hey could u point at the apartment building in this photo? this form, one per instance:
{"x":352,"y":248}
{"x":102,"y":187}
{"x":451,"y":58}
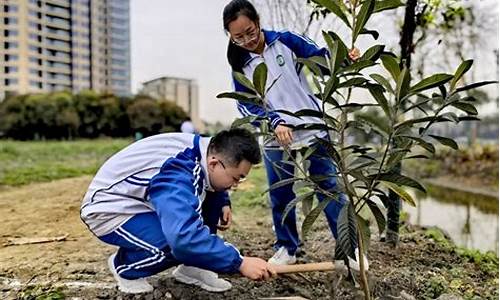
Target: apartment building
{"x":184,"y":92}
{"x":51,"y":45}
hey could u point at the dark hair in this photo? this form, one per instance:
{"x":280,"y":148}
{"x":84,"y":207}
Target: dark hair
{"x":234,"y":9}
{"x":236,"y":145}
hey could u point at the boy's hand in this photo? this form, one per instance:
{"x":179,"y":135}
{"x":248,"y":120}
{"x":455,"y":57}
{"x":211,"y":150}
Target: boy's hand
{"x":226,"y":219}
{"x":256,"y":268}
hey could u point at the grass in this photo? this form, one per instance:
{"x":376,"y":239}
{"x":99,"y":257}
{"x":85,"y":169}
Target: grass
{"x":251,"y":192}
{"x":27,"y":162}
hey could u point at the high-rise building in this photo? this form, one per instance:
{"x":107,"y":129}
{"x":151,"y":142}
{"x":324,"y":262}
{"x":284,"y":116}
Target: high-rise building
{"x":50,"y":45}
{"x":182,"y":91}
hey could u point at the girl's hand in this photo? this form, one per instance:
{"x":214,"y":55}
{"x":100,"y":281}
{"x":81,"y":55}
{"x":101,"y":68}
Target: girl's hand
{"x":284,"y":135}
{"x":354,"y":54}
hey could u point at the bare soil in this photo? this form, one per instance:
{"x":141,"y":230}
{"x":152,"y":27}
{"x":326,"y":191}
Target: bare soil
{"x":75,"y":268}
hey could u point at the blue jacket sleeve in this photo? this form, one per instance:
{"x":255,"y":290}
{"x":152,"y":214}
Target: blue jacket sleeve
{"x":304,"y":47}
{"x":173,"y":194}
{"x":250,"y":109}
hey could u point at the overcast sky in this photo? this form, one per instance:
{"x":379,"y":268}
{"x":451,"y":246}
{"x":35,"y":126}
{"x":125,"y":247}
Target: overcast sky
{"x":186,"y":39}
{"x":183,"y":39}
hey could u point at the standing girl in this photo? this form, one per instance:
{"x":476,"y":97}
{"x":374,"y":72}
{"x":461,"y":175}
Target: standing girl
{"x":249,"y":46}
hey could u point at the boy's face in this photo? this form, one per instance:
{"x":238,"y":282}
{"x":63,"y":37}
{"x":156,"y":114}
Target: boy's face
{"x":224,"y":176}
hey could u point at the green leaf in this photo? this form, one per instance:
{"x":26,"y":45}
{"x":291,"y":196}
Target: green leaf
{"x":311,"y":65}
{"x":240,"y":96}
{"x":468,"y":118}
{"x":399,"y":179}
{"x":260,"y":78}
{"x":403,"y":84}
{"x":307,"y":204}
{"x":330,"y":149}
{"x":362,"y":17}
{"x":282,"y":183}
{"x":383,"y":82}
{"x":291,"y":205}
{"x":334,"y":8}
{"x":337,"y":38}
{"x":319,"y":60}
{"x":416,"y":121}
{"x":377,"y":213}
{"x":461,"y":70}
{"x":356,"y":81}
{"x":373,"y":53}
{"x":377,"y":92}
{"x":241,"y":78}
{"x":445,"y":141}
{"x":245,"y":120}
{"x":474,"y":85}
{"x":309,"y":113}
{"x":358,"y":66}
{"x":430,"y":82}
{"x":382,"y":5}
{"x":312,"y":216}
{"x":330,"y":87}
{"x":466,"y":107}
{"x":379,"y":125}
{"x":422,"y":143}
{"x":400,"y":192}
{"x":391,"y":64}
{"x":373,"y":33}
{"x":346,"y":227}
{"x":364,"y":229}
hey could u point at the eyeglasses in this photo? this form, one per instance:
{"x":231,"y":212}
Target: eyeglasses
{"x":237,"y":180}
{"x":248,"y":37}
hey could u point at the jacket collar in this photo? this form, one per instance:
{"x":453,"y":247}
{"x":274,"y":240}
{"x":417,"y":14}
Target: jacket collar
{"x":270,"y":37}
{"x":204,"y":141}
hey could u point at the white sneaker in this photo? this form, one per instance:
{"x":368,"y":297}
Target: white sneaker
{"x":354,"y":263}
{"x":135,"y":286}
{"x":205,"y":279}
{"x":281,"y":257}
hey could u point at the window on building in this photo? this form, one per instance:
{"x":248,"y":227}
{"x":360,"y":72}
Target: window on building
{"x":119,"y":62}
{"x":37,"y":84}
{"x":10,"y":32}
{"x":10,"y":20}
{"x":11,"y":57}
{"x":10,"y":8}
{"x":10,"y":45}
{"x":10,"y":69}
{"x":10,"y":81}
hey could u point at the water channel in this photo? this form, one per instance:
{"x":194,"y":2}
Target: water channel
{"x":470,"y":220}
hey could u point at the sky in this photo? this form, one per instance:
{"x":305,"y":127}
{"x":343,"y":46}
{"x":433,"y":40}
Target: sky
{"x":183,"y":39}
{"x":186,"y":39}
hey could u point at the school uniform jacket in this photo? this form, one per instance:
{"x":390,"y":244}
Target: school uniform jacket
{"x":167,"y":174}
{"x":291,"y":92}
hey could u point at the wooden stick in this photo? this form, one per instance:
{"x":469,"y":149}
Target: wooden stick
{"x":301,"y":268}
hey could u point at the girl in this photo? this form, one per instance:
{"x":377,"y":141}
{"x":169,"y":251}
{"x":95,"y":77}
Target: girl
{"x":249,"y":46}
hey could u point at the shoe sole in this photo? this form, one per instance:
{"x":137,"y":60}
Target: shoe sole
{"x":189,"y":280}
{"x":117,"y":278}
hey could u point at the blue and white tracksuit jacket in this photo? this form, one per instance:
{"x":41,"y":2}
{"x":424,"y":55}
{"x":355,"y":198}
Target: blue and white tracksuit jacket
{"x":164,"y":176}
{"x":291,"y":92}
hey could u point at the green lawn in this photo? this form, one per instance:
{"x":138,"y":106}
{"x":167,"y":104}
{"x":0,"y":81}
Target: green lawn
{"x":26,"y":162}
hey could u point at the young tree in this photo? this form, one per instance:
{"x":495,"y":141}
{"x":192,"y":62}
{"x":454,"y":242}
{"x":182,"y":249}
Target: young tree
{"x":367,"y":172}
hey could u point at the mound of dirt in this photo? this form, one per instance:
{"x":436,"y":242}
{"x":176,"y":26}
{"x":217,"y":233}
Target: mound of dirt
{"x":420,"y":268}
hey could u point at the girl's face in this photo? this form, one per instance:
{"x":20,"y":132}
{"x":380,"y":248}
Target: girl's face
{"x":245,"y":33}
